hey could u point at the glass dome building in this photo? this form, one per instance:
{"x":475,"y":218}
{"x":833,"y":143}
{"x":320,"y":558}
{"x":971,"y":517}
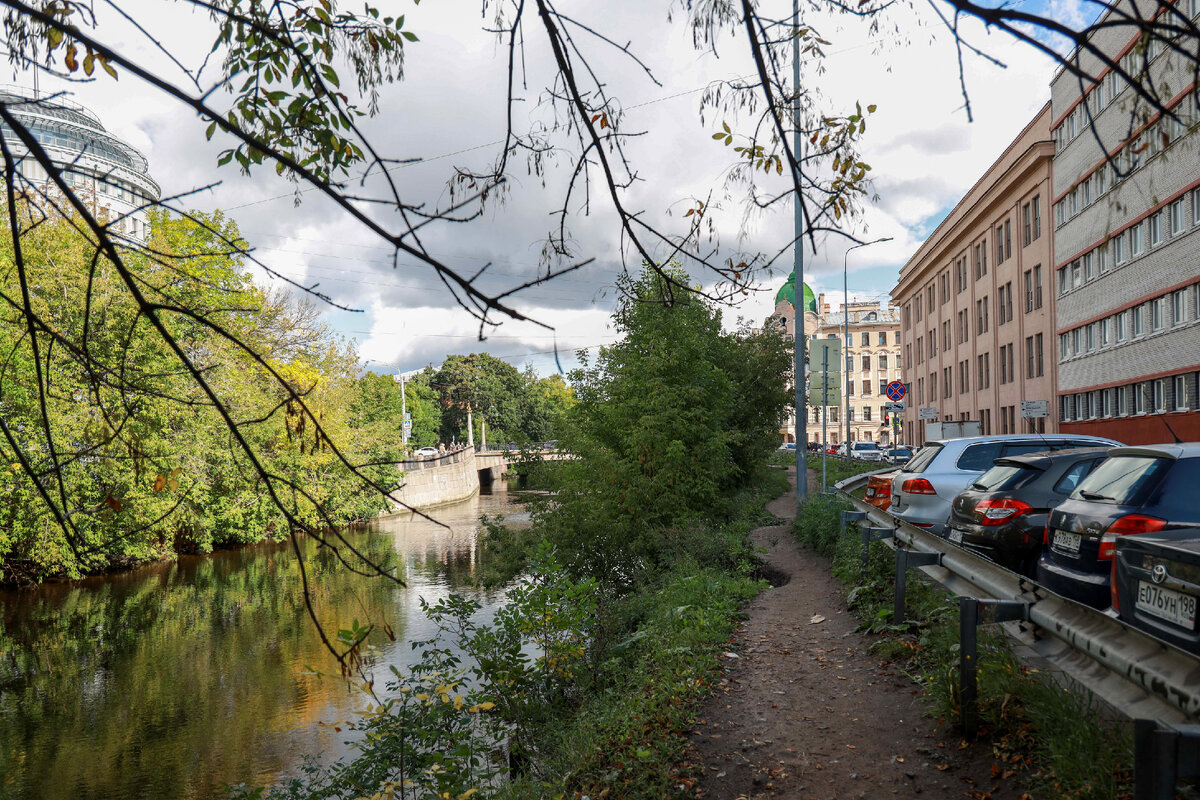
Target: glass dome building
{"x":111,"y":176}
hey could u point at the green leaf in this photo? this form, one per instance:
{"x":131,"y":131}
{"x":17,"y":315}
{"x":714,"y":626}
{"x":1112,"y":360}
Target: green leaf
{"x":412,"y":37}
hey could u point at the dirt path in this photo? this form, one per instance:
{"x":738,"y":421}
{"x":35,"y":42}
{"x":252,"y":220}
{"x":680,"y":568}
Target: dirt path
{"x":805,"y":711}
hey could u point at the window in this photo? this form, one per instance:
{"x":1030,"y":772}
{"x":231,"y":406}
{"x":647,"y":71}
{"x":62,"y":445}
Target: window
{"x":964,"y":326}
{"x":866,"y":388}
{"x":1102,"y":258}
{"x":866,"y":413}
{"x":961,"y":269}
{"x":1064,"y":279}
{"x":1118,"y":248}
{"x":964,"y":377}
{"x":1138,"y":317}
{"x":1102,"y":326}
{"x":981,"y":316}
{"x":1089,"y":267}
{"x":850,"y":415}
{"x":920,"y":349}
{"x":896,"y":338}
{"x":946,"y":335}
{"x":1007,"y":238}
{"x":850,"y":388}
{"x":983,"y":378}
{"x":1121,"y":323}
{"x":931,"y":299}
{"x":883,"y":339}
{"x":920,"y":390}
{"x":883,"y":363}
{"x":1179,"y":307}
{"x":1004,"y":303}
{"x":1012,"y":364}
{"x":1037,"y":286}
{"x":850,"y":363}
{"x":1027,"y":216}
{"x":866,"y":363}
{"x":1137,"y":243}
{"x":1064,"y":346}
{"x":1176,"y":217}
{"x":1090,"y":337}
{"x":1030,"y":361}
{"x":1106,"y":406}
{"x":1156,"y":229}
{"x":1196,"y":206}
{"x":1181,"y":393}
{"x":1121,"y":397}
{"x":1076,"y":274}
{"x":933,"y":386}
{"x":947,"y":381}
{"x":1077,"y":341}
{"x":931,"y":338}
{"x":1158,"y":313}
{"x":1139,"y":398}
{"x":1158,"y":395}
{"x":1036,"y":204}
{"x":883,"y":385}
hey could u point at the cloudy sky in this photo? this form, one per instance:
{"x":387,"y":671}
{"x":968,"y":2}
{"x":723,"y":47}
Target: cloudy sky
{"x":449,"y":111}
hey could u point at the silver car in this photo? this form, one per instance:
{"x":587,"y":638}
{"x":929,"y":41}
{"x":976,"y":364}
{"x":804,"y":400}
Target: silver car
{"x":923,"y":491}
{"x":866,"y":451}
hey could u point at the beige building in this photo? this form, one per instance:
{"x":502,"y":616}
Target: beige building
{"x":873,"y":358}
{"x":977,"y":305}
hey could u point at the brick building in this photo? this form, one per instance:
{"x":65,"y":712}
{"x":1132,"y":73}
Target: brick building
{"x":1127,"y":248}
{"x":977,"y":311}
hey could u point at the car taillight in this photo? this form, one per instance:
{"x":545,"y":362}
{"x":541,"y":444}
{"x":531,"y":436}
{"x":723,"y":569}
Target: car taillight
{"x":1046,"y":536}
{"x":1127,"y":525}
{"x":1112,"y":585}
{"x":998,"y":512}
{"x":917,"y":486}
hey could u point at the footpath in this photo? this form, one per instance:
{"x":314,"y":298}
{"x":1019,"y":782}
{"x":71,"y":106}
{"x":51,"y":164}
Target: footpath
{"x":806,"y":711}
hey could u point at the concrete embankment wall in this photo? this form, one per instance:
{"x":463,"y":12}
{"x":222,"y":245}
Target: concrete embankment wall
{"x":439,"y":482}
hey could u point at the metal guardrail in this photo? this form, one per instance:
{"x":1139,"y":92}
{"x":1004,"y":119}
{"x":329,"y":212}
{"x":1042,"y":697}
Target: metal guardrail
{"x":1136,"y":674}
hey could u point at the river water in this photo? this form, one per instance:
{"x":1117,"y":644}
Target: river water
{"x":175,"y":679}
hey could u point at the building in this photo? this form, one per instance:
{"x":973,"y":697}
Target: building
{"x":872,"y":350}
{"x":1127,"y":245}
{"x":107,"y":174}
{"x":873,"y":358}
{"x":976,"y":310}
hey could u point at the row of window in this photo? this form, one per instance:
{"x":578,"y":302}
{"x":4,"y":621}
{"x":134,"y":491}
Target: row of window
{"x":881,"y":362}
{"x":1129,"y":157}
{"x":1167,"y":222}
{"x":1034,"y":367}
{"x":866,"y":387}
{"x":832,"y":414}
{"x":1134,"y":63}
{"x":1153,"y":316}
{"x":1158,"y":396}
{"x":76,"y":179}
{"x":864,"y":338}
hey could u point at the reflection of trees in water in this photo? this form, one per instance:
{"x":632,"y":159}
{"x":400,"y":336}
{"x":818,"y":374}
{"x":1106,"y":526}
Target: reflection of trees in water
{"x":170,"y":680}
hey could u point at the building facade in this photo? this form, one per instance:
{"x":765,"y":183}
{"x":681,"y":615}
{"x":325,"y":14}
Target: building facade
{"x":111,"y":177}
{"x":870,"y":336}
{"x":1127,"y":246}
{"x":783,"y":320}
{"x":976,"y":307}
{"x":873,"y":360}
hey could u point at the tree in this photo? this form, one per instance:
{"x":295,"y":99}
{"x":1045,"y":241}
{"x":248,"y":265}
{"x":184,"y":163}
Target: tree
{"x":668,"y":424}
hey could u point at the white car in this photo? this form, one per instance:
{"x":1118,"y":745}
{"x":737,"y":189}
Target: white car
{"x":426,"y":452}
{"x":866,"y":451}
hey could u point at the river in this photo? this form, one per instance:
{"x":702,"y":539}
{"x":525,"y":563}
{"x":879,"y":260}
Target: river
{"x":174,"y":679}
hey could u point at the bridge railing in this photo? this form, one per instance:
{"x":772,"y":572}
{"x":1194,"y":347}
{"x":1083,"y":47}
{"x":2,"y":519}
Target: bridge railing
{"x":430,"y":462}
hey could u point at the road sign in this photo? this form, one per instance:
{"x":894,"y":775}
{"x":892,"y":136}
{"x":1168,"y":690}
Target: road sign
{"x":893,"y":408}
{"x":927,"y":413}
{"x":1031,"y":409}
{"x":895,"y":390}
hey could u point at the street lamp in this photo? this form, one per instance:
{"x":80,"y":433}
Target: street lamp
{"x":846,"y":336}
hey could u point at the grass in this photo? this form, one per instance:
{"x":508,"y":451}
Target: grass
{"x":1057,"y":737}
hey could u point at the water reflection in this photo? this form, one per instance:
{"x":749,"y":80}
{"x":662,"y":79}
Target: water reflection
{"x":174,"y":679}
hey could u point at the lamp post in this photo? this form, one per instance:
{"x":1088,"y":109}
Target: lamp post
{"x":846,"y":335}
{"x":801,"y":424}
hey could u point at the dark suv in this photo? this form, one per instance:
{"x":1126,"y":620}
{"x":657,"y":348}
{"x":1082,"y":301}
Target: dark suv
{"x":1157,"y":585}
{"x":1136,"y":490}
{"x":1002,"y":515}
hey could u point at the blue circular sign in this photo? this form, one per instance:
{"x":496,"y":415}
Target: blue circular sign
{"x":895,"y":391}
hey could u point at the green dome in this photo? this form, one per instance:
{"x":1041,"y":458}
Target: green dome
{"x":788,"y":292}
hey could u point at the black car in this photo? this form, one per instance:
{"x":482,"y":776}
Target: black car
{"x":1002,"y":515}
{"x":1158,"y":583}
{"x":1136,"y":490}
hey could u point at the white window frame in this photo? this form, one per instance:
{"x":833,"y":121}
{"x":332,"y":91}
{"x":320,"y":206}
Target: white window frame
{"x":1121,"y":323}
{"x":1177,"y":217}
{"x":1179,"y":307}
{"x":1137,"y":241}
{"x":1181,"y":393}
{"x":1156,"y":228}
{"x":1158,"y":313}
{"x":1137,"y":319}
{"x":1102,"y":325}
{"x":1158,"y":395}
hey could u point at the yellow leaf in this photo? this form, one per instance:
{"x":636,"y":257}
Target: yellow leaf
{"x":160,"y":482}
{"x":108,"y":67}
{"x":174,"y":484}
{"x":89,"y":64}
{"x":70,"y":61}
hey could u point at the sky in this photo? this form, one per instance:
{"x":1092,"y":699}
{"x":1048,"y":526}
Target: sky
{"x":449,"y":111}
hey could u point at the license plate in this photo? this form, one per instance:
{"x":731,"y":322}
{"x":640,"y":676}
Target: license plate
{"x":956,"y":535}
{"x":1167,"y":604}
{"x":1066,"y":541}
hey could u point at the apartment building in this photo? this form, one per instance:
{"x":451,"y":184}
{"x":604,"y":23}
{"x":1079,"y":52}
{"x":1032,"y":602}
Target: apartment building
{"x":1127,"y":244}
{"x":976,"y":306}
{"x":871,"y":347}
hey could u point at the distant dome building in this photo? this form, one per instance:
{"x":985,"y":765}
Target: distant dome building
{"x":108,"y":174}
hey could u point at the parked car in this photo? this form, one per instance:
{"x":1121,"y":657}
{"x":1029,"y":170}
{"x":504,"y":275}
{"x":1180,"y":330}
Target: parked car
{"x":1156,"y":584}
{"x":923,"y":491}
{"x":788,"y":447}
{"x":879,"y":490}
{"x":1137,"y":490}
{"x":1002,"y":515}
{"x":897,"y":455}
{"x":426,"y":452}
{"x":866,"y":451}
{"x":814,"y":447}
{"x":833,"y":450}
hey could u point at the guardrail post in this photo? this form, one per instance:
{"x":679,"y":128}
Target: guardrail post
{"x":973,"y":612}
{"x":851,"y":516}
{"x":904,"y":560}
{"x":873,"y":535}
{"x":1162,"y":754}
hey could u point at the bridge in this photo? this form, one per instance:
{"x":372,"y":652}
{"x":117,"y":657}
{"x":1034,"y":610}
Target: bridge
{"x":454,"y":477}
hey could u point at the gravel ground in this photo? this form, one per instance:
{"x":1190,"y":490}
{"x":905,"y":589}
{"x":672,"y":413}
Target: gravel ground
{"x":805,"y":711}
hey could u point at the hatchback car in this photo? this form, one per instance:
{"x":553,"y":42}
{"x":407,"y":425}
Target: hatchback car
{"x":898,"y":455}
{"x":879,"y":490}
{"x":1137,"y":490}
{"x":923,"y":491}
{"x":1156,"y":585}
{"x":1002,"y":515}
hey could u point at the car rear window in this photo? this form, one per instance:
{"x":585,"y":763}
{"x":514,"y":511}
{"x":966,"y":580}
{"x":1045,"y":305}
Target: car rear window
{"x":979,"y":457}
{"x":1003,"y":477}
{"x":865,"y":446}
{"x":1124,"y":480}
{"x":1074,"y":475}
{"x":923,"y":458}
{"x":1025,"y":448}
